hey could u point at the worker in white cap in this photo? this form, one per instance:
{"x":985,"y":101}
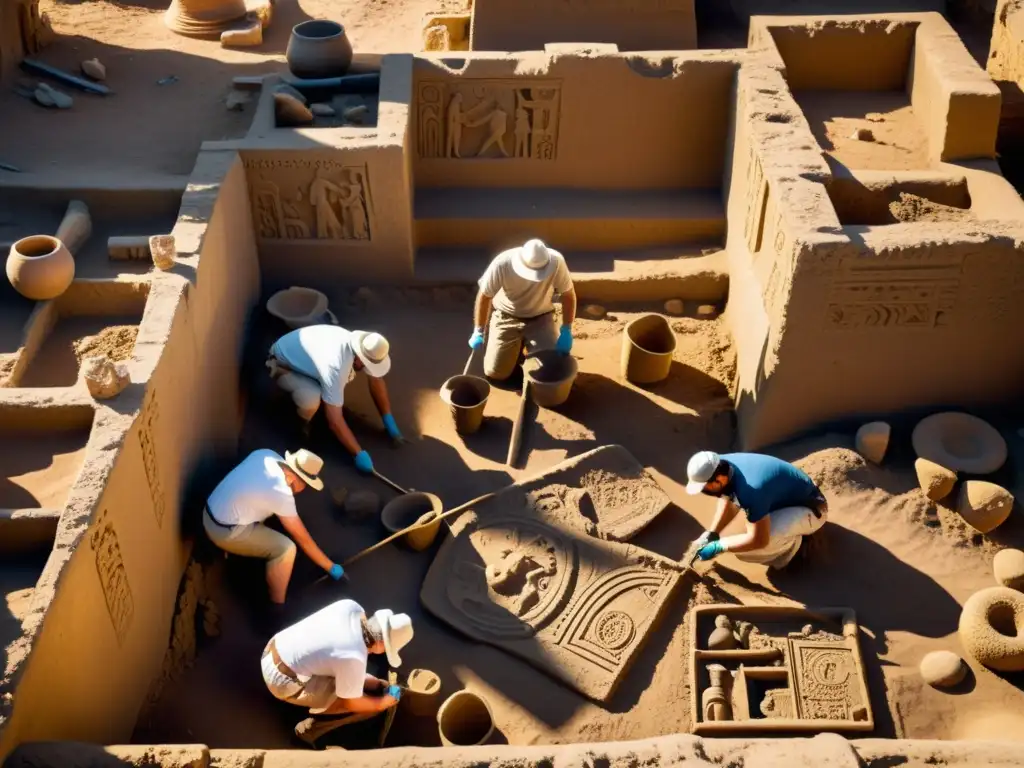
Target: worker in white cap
{"x":321,"y":661}
{"x":264,"y":485}
{"x":781,"y":503}
{"x":519,"y":286}
{"x":314,"y":364}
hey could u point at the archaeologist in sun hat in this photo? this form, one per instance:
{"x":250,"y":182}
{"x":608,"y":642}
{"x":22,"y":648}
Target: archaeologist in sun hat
{"x":514,"y":304}
{"x":781,"y":503}
{"x":316,"y":363}
{"x":321,"y":661}
{"x":264,"y":484}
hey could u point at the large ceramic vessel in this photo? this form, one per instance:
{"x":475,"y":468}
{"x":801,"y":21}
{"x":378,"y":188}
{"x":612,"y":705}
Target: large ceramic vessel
{"x":318,"y":48}
{"x":40,"y":267}
{"x":203,"y":18}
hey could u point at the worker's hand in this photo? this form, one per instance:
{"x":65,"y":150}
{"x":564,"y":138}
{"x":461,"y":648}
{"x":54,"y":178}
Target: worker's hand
{"x":395,"y":692}
{"x":336,"y":572}
{"x":710,"y":551}
{"x":477,"y":339}
{"x":364,"y":463}
{"x":564,"y":344}
{"x":392,"y":428}
{"x":705,"y":538}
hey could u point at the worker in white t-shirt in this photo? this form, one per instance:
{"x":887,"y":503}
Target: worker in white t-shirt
{"x":320,"y":662}
{"x":315,"y":364}
{"x":519,"y":286}
{"x":263,"y":485}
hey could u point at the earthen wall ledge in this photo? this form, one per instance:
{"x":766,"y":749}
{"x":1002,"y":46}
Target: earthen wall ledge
{"x":676,"y":751}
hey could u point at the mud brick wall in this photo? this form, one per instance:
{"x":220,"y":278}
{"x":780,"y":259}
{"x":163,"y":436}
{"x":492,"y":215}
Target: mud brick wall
{"x":118,"y":556}
{"x":1006,"y":66}
{"x":634,"y":25}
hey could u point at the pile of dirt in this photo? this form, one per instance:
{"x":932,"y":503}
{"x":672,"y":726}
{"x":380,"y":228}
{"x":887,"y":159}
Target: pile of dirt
{"x":114,"y":342}
{"x":910,"y":208}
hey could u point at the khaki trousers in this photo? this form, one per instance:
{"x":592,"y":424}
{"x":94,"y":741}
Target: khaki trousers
{"x":506,"y":337}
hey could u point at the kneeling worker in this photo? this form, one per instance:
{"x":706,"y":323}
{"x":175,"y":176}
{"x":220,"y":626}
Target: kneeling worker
{"x":317,"y":363}
{"x":265,"y":484}
{"x":320,"y":663}
{"x":781,"y":503}
{"x":519,"y":285}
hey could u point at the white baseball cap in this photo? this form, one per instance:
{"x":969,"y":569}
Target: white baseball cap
{"x":397,"y":631}
{"x":533,"y":261}
{"x":701,"y":468}
{"x":372,"y":349}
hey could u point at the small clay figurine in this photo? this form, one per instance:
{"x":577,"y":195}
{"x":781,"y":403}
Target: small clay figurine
{"x":715,"y":701}
{"x":723,"y":638}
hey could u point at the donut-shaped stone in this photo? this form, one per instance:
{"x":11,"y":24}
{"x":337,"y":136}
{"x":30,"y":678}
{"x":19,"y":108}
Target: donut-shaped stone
{"x":984,"y":506}
{"x":960,"y":442}
{"x":992,"y":628}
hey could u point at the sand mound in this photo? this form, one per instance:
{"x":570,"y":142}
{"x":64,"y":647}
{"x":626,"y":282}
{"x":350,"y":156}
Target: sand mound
{"x":115,"y":342}
{"x":915,"y":208}
{"x":831,"y":468}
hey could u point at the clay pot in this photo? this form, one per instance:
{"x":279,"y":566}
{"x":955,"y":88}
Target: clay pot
{"x":714,"y":702}
{"x":318,"y":48}
{"x":464,"y":720}
{"x":412,"y":508}
{"x":551,"y":376}
{"x":466,"y":396}
{"x":298,"y":307}
{"x":203,"y":18}
{"x":423,"y":689}
{"x":647,"y":348}
{"x":40,"y":267}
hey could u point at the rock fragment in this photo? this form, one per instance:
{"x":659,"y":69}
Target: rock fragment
{"x":94,"y":69}
{"x":935,"y":480}
{"x":290,"y":112}
{"x":49,"y":96}
{"x":942,"y":669}
{"x":872,"y":441}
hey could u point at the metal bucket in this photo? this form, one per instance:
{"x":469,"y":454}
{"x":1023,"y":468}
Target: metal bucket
{"x":412,"y":508}
{"x":464,"y":720}
{"x":466,"y":396}
{"x":299,"y":307}
{"x":648,"y":344}
{"x":551,"y":376}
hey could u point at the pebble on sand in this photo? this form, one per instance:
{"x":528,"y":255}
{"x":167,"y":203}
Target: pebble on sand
{"x":943,"y":669}
{"x":594,"y":312}
{"x":289,"y":111}
{"x":1008,"y":567}
{"x":322,"y":110}
{"x":94,"y":69}
{"x":872,"y":441}
{"x":674,"y":307}
{"x":49,"y":96}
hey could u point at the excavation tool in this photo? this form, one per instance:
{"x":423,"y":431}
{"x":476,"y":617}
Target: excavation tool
{"x":389,"y":483}
{"x":515,"y":441}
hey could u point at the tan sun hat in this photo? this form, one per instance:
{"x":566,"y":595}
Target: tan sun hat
{"x":397,"y":631}
{"x":534,"y":261}
{"x":306,"y":465}
{"x":372,"y":349}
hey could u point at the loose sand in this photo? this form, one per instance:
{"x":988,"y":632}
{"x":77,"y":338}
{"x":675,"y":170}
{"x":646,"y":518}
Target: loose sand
{"x":901,"y":564}
{"x":56,"y":362}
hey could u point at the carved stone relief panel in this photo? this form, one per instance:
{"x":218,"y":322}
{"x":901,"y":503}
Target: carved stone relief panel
{"x":113,"y":577}
{"x":148,"y":420}
{"x":826,"y":678}
{"x":488,"y":119}
{"x":310,"y":200}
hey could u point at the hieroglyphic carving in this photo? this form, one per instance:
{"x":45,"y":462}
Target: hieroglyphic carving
{"x":331,"y":200}
{"x":112,"y":574}
{"x":757,"y":205}
{"x":826,"y":681}
{"x":147,"y":441}
{"x":492,"y":119}
{"x":898,"y":291}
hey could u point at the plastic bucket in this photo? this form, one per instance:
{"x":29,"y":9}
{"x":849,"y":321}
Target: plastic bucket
{"x":466,"y":396}
{"x":423,"y":689}
{"x":412,"y":508}
{"x":647,"y":347}
{"x":464,"y":720}
{"x":551,"y":376}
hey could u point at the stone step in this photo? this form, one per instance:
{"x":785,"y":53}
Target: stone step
{"x":567,"y":219}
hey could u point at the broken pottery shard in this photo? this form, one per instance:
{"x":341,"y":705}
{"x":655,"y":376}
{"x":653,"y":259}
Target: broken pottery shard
{"x":674,"y":307}
{"x":245,"y":37}
{"x":290,"y":112}
{"x":873,"y":440}
{"x":293,"y":92}
{"x":1008,"y":568}
{"x":103,"y":378}
{"x":984,"y":506}
{"x":163,"y":249}
{"x":94,"y":68}
{"x":236,"y":100}
{"x":51,"y":97}
{"x":942,"y":669}
{"x":322,"y":110}
{"x":523,"y":572}
{"x":936,"y":481}
{"x":356,"y":114}
{"x":594,"y":312}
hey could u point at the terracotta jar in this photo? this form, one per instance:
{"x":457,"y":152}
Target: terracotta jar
{"x":40,"y":267}
{"x":203,"y":18}
{"x":318,"y":48}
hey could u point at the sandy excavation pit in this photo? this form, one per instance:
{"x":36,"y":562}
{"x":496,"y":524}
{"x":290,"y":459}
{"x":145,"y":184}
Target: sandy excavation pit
{"x":40,"y":465}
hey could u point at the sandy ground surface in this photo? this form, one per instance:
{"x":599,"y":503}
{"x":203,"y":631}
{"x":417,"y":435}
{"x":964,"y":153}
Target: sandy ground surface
{"x":38,"y":469}
{"x":57,"y":361}
{"x":901,"y":563}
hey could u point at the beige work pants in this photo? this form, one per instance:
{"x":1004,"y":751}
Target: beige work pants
{"x":506,"y":337}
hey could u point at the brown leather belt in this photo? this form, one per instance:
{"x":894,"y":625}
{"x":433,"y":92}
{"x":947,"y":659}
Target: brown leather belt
{"x":283,"y":668}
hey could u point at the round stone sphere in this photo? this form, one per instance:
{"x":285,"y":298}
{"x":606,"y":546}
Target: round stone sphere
{"x":943,"y":669}
{"x":1008,"y":567}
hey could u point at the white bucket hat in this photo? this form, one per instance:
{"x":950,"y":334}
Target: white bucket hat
{"x":372,"y":349}
{"x":701,"y":468}
{"x":397,"y":631}
{"x":533,"y":262}
{"x":306,"y":465}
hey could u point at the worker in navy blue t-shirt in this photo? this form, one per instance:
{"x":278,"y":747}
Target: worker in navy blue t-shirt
{"x":781,"y":503}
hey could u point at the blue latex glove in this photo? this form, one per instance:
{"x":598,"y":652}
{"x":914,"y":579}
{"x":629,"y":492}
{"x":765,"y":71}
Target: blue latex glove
{"x":477,"y":339}
{"x":710,"y":551}
{"x":391,"y":427}
{"x":336,"y":572}
{"x":364,"y":463}
{"x":564,"y":344}
{"x":395,"y":692}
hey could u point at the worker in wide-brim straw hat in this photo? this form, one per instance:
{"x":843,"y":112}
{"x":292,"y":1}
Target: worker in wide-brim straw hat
{"x":316,"y":363}
{"x":321,"y":662}
{"x":782,"y":506}
{"x":262,"y":486}
{"x":514,"y":306}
